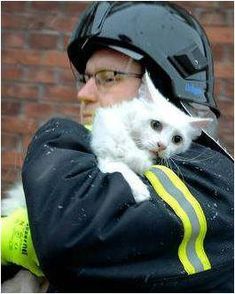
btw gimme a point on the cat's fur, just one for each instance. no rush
(124, 140)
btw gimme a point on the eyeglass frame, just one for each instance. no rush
(81, 78)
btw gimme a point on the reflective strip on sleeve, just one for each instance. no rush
(174, 192)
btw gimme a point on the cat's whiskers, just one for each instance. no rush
(178, 171)
(179, 157)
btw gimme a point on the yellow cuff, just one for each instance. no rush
(16, 242)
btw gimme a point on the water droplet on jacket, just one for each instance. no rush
(215, 216)
(215, 205)
(49, 152)
(60, 206)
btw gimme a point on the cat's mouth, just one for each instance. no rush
(157, 153)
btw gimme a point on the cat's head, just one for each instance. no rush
(164, 137)
(164, 130)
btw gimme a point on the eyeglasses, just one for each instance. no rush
(105, 78)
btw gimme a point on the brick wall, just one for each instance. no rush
(37, 82)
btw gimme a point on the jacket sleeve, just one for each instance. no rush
(88, 232)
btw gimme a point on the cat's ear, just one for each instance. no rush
(147, 89)
(198, 124)
(144, 90)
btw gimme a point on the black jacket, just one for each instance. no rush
(91, 236)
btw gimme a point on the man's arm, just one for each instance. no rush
(88, 232)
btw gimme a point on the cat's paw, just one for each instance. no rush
(140, 192)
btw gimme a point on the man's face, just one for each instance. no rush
(91, 96)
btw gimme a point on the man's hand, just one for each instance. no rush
(16, 242)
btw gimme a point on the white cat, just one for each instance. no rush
(127, 137)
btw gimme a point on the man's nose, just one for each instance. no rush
(88, 92)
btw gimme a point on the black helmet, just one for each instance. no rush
(173, 45)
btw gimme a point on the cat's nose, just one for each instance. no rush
(161, 146)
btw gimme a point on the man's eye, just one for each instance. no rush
(109, 79)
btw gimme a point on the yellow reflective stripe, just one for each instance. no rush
(189, 268)
(199, 212)
(187, 208)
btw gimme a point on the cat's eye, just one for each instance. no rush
(156, 125)
(177, 139)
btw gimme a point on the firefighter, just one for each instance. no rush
(88, 232)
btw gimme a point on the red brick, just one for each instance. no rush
(9, 141)
(219, 86)
(60, 93)
(13, 21)
(230, 52)
(226, 107)
(66, 39)
(20, 90)
(43, 41)
(13, 6)
(12, 158)
(38, 110)
(62, 24)
(75, 7)
(10, 107)
(40, 75)
(224, 70)
(199, 4)
(29, 21)
(15, 125)
(26, 141)
(65, 76)
(11, 72)
(35, 57)
(9, 176)
(229, 88)
(227, 4)
(69, 110)
(212, 18)
(19, 56)
(219, 51)
(219, 34)
(13, 39)
(222, 52)
(46, 6)
(54, 58)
